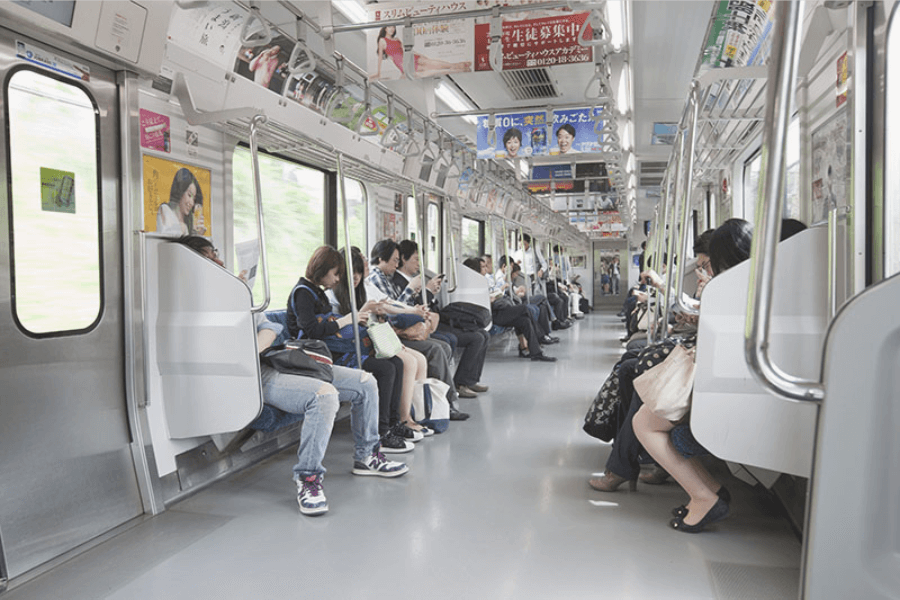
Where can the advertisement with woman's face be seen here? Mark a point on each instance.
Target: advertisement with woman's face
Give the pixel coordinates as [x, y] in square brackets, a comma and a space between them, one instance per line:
[176, 198]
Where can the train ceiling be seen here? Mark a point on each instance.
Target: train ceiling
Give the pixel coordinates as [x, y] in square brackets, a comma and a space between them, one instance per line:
[663, 41]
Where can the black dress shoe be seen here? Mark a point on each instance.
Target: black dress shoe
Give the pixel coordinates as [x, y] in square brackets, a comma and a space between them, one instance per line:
[549, 340]
[543, 358]
[456, 415]
[718, 512]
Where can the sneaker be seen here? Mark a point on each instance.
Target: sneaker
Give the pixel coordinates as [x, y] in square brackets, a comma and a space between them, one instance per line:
[310, 495]
[391, 444]
[405, 433]
[477, 387]
[377, 464]
[465, 392]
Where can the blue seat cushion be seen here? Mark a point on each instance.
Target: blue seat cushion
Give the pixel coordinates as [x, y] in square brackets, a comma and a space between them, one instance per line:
[685, 442]
[273, 419]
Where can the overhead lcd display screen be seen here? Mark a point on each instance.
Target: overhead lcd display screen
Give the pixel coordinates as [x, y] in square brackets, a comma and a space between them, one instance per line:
[56, 10]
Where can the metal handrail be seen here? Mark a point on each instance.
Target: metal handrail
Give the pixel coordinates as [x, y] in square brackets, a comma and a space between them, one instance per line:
[673, 231]
[524, 271]
[770, 200]
[423, 238]
[348, 255]
[257, 193]
[453, 268]
[687, 190]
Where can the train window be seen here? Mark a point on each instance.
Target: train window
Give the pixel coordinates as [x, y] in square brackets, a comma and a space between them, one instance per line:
[294, 217]
[412, 219]
[471, 237]
[53, 127]
[792, 177]
[433, 248]
[357, 205]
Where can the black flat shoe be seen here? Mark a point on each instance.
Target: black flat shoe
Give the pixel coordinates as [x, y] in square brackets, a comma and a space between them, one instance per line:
[524, 354]
[543, 358]
[718, 512]
[723, 493]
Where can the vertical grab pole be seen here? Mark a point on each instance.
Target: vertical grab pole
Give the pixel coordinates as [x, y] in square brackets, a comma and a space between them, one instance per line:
[348, 253]
[255, 122]
[770, 201]
[694, 103]
[423, 240]
[508, 276]
[673, 233]
[524, 271]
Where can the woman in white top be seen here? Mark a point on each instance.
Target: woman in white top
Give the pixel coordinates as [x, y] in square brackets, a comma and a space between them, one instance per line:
[176, 217]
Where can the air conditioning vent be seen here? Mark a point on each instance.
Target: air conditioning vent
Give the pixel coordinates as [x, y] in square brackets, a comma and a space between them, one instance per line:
[530, 84]
[650, 173]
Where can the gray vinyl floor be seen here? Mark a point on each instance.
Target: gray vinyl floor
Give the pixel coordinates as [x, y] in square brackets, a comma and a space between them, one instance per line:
[497, 507]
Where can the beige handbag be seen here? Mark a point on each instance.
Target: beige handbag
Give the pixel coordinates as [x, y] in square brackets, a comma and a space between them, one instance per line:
[666, 388]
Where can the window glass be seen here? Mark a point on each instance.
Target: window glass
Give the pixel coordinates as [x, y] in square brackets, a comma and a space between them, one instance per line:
[792, 172]
[293, 215]
[751, 186]
[356, 204]
[55, 225]
[433, 248]
[470, 239]
[412, 219]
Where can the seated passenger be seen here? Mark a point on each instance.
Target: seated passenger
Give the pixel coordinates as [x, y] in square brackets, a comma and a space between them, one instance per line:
[538, 307]
[318, 402]
[308, 315]
[474, 344]
[728, 246]
[380, 286]
[506, 313]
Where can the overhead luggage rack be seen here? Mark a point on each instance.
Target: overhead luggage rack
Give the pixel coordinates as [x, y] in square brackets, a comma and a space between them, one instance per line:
[280, 139]
[732, 105]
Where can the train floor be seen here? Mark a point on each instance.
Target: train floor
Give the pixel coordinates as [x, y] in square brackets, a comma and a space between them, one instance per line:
[496, 507]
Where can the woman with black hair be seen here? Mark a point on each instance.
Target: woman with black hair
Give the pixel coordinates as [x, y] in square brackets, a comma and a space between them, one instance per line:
[176, 217]
[396, 376]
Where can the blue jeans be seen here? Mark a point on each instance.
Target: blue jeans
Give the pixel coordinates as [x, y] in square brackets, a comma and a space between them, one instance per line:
[318, 402]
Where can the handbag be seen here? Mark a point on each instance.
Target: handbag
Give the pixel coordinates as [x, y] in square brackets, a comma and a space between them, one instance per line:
[601, 420]
[307, 358]
[384, 340]
[430, 406]
[667, 385]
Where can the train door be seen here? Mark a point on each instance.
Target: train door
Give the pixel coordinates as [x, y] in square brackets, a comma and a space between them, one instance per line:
[66, 468]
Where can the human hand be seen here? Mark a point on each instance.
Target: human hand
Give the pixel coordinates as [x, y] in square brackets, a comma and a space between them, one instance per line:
[243, 275]
[434, 284]
[363, 316]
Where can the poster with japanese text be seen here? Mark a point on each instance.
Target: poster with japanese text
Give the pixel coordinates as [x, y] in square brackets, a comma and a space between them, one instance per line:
[176, 198]
[212, 32]
[155, 131]
[538, 40]
[438, 47]
[527, 134]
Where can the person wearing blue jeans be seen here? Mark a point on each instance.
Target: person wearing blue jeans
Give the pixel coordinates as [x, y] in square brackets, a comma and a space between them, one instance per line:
[318, 402]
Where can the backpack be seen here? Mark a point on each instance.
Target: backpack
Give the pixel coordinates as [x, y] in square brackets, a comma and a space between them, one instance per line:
[466, 316]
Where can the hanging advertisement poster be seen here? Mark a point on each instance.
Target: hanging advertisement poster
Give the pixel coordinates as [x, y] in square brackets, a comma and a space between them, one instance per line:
[439, 47]
[739, 34]
[212, 32]
[266, 65]
[176, 198]
[527, 134]
[535, 39]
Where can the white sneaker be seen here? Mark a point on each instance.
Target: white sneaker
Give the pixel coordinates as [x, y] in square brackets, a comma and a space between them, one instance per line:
[377, 464]
[311, 496]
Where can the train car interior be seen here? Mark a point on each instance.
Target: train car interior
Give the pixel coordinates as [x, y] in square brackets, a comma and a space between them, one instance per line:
[596, 243]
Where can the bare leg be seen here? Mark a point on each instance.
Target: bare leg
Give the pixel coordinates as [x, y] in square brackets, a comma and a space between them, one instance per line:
[523, 343]
[653, 432]
[415, 368]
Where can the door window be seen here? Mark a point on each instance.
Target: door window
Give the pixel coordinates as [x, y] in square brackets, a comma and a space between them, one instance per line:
[54, 195]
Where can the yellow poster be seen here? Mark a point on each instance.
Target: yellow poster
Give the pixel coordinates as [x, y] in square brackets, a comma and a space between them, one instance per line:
[176, 198]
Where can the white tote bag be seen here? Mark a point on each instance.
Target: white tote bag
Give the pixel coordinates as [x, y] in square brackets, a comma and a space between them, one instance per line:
[437, 415]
